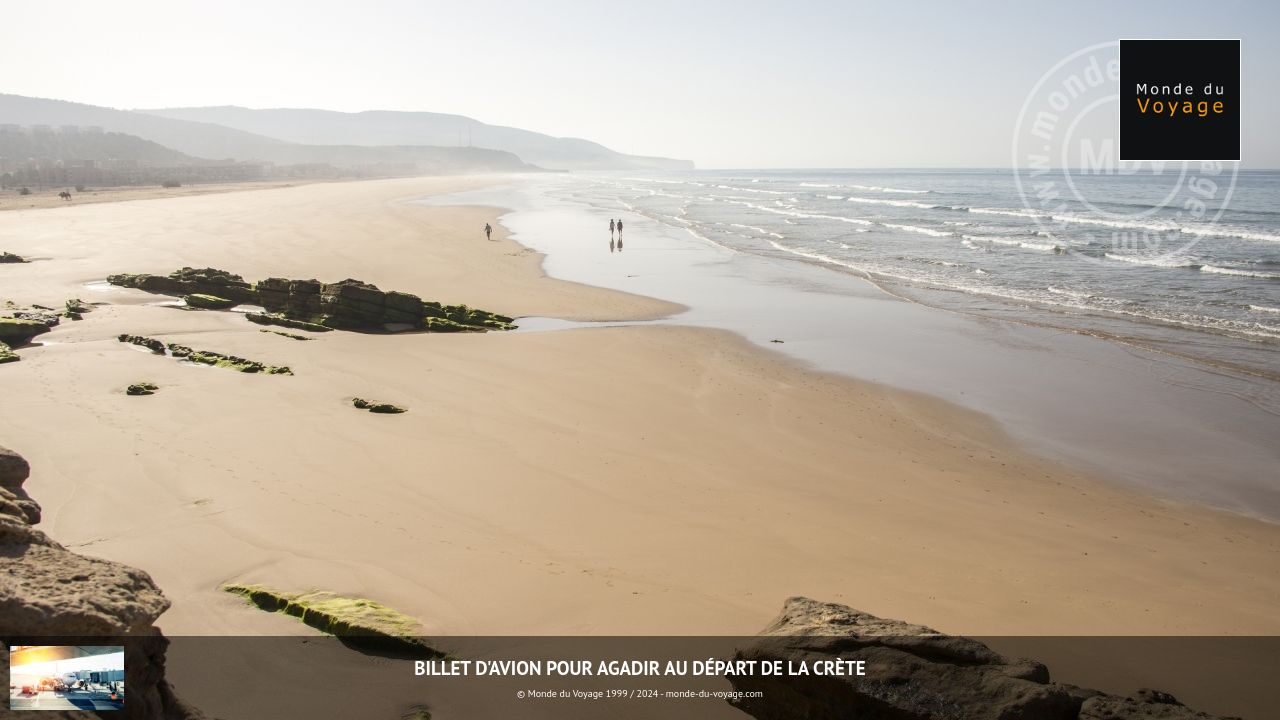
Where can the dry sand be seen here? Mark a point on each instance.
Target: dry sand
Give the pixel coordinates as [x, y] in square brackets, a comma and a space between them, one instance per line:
[39, 198]
[626, 480]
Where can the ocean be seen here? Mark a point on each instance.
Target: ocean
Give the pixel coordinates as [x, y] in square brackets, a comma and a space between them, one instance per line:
[1116, 257]
[1155, 364]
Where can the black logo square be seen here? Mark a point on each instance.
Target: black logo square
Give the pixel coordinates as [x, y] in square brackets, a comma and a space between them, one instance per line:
[1179, 99]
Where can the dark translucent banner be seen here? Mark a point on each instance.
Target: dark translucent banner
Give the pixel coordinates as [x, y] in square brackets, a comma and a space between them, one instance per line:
[318, 676]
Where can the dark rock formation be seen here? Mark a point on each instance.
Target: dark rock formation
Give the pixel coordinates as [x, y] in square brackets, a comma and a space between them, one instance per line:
[8, 257]
[17, 331]
[206, 357]
[142, 388]
[49, 319]
[208, 302]
[14, 501]
[1142, 705]
[53, 594]
[14, 469]
[311, 304]
[151, 344]
[377, 407]
[267, 319]
[7, 355]
[355, 305]
[189, 281]
[915, 673]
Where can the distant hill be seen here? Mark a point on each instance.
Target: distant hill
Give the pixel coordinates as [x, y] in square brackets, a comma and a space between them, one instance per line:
[18, 146]
[216, 142]
[383, 127]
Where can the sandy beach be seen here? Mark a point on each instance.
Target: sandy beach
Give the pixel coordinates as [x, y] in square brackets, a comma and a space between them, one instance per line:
[630, 480]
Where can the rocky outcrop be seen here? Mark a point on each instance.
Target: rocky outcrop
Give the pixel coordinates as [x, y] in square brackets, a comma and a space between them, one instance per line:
[915, 673]
[142, 388]
[7, 355]
[151, 344]
[231, 362]
[355, 305]
[19, 331]
[374, 406]
[191, 281]
[313, 305]
[8, 257]
[53, 594]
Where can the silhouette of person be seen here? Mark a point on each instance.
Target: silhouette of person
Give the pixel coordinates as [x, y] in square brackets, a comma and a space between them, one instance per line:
[610, 228]
[619, 228]
[488, 231]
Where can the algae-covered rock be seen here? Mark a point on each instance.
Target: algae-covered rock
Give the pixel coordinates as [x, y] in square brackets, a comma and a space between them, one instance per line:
[7, 355]
[8, 257]
[49, 319]
[189, 281]
[208, 302]
[281, 333]
[359, 622]
[75, 309]
[267, 319]
[377, 407]
[151, 344]
[232, 362]
[142, 388]
[17, 331]
[310, 304]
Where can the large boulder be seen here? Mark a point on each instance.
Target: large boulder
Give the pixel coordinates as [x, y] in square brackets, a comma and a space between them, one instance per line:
[14, 469]
[915, 673]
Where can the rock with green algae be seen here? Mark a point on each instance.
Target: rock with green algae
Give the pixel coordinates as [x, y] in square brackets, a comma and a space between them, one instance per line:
[8, 257]
[232, 362]
[17, 331]
[7, 355]
[208, 302]
[75, 308]
[378, 407]
[188, 281]
[272, 319]
[281, 333]
[142, 388]
[151, 344]
[358, 622]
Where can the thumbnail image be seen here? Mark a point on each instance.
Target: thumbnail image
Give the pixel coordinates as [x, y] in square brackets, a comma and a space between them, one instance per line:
[66, 677]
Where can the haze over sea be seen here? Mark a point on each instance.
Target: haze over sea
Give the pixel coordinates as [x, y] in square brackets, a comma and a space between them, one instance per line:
[965, 240]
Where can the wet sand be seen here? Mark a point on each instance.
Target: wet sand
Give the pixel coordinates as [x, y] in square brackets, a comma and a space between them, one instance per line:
[632, 480]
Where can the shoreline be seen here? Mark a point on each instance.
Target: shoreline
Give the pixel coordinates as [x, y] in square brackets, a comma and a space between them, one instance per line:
[655, 479]
[1171, 427]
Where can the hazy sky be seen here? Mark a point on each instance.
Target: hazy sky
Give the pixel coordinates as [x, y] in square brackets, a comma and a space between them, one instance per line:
[726, 84]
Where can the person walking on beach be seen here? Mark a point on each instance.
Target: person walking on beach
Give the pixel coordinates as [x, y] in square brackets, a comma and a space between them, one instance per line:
[619, 229]
[488, 231]
[610, 229]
